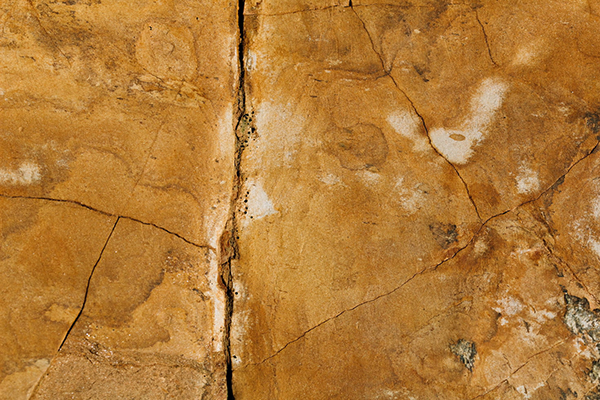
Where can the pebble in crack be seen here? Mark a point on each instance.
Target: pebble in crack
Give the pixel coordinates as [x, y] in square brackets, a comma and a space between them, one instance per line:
[466, 351]
[580, 319]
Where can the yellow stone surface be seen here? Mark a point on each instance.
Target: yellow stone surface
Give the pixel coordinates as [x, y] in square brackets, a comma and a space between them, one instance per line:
[299, 199]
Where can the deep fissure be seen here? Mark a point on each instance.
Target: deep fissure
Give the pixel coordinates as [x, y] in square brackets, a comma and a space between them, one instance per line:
[228, 243]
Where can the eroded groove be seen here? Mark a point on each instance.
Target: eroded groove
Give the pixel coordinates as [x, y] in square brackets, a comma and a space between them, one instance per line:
[228, 241]
[77, 203]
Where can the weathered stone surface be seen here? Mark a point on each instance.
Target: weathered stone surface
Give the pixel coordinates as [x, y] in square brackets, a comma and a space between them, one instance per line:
[406, 229]
[115, 116]
[149, 342]
[365, 200]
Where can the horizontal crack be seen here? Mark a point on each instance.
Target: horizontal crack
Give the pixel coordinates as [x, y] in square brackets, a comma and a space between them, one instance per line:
[108, 214]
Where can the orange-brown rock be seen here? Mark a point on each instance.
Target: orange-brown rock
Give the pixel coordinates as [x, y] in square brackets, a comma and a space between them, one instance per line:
[416, 220]
[300, 199]
[116, 167]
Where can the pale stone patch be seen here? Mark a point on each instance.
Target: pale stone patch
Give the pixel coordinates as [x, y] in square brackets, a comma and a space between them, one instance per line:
[218, 299]
[368, 177]
[527, 180]
[27, 174]
[330, 179]
[407, 125]
[542, 316]
[410, 200]
[457, 144]
[594, 246]
[259, 205]
[480, 247]
[508, 306]
[596, 207]
[284, 127]
[528, 390]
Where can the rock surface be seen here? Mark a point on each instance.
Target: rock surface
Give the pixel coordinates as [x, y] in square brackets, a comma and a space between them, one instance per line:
[299, 199]
[116, 166]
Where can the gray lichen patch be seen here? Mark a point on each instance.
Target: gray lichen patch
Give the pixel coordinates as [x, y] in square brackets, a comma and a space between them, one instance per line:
[595, 395]
[595, 371]
[466, 351]
[580, 319]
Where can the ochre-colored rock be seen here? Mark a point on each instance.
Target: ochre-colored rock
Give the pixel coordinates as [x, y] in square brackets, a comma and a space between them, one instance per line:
[416, 222]
[299, 199]
[116, 167]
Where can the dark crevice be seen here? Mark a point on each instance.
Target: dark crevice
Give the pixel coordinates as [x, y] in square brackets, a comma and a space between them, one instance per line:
[87, 288]
[228, 242]
[80, 204]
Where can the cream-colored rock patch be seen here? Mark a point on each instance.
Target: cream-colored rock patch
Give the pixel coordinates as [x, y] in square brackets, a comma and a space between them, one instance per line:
[457, 145]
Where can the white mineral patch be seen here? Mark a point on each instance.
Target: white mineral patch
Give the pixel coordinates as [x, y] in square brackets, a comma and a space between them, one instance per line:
[594, 246]
[527, 180]
[259, 205]
[411, 199]
[279, 130]
[26, 174]
[407, 125]
[368, 177]
[528, 390]
[330, 179]
[508, 306]
[596, 208]
[218, 300]
[457, 144]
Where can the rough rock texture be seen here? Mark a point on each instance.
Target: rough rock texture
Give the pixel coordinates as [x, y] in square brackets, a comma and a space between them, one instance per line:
[116, 166]
[299, 199]
[418, 217]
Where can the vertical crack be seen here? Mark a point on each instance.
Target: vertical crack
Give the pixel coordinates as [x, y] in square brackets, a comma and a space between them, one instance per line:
[228, 241]
[485, 38]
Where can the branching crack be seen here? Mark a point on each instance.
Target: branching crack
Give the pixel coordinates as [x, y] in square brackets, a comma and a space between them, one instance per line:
[566, 265]
[485, 38]
[421, 272]
[424, 270]
[412, 104]
[529, 359]
[108, 214]
[87, 288]
[85, 297]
